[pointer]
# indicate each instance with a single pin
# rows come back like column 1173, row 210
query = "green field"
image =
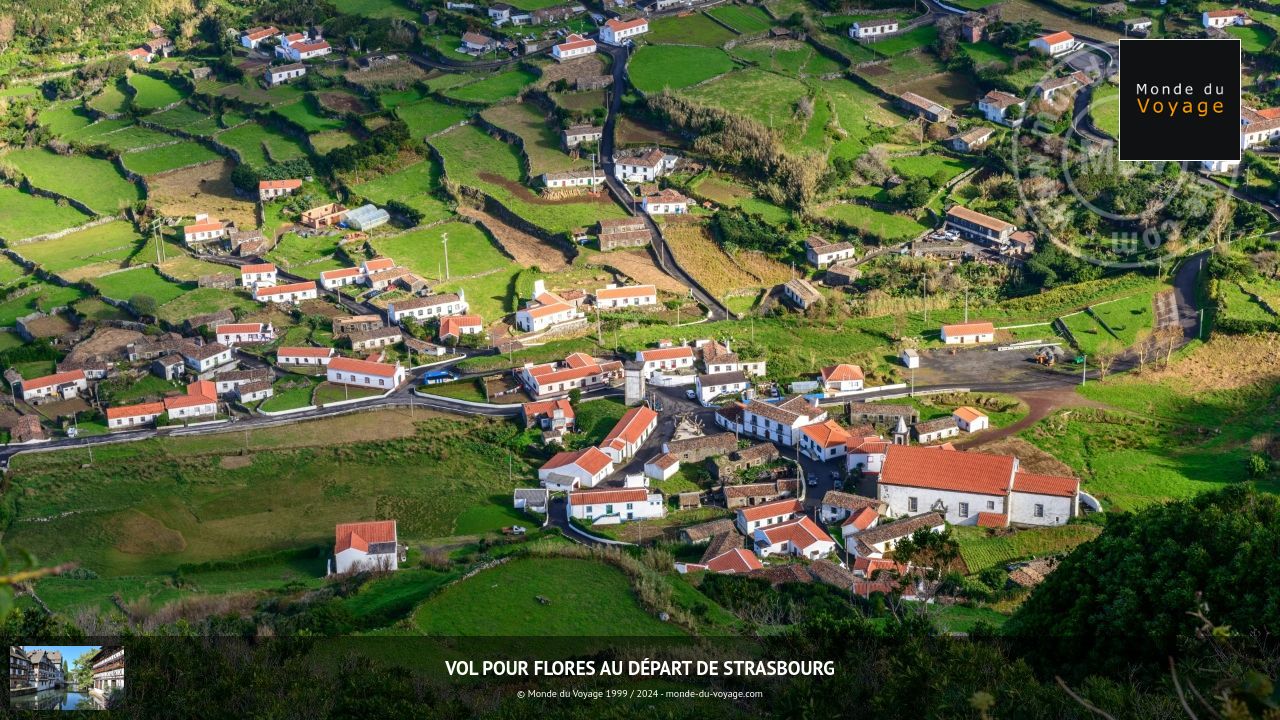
column 878, row 224
column 392, row 99
column 789, row 57
column 131, row 137
column 110, row 245
column 45, row 299
column 773, row 103
column 470, row 250
column 152, row 93
column 168, row 157
column 377, row 9
column 745, row 19
column 430, row 116
column 260, row 145
column 186, row 118
column 1127, row 318
column 65, row 118
column 111, row 100
column 724, row 191
column 312, row 253
column 541, row 140
column 655, row 67
column 324, row 142
column 910, row 40
column 143, row 280
column 928, row 165
column 24, row 216
column 504, row 601
column 689, row 30
column 493, row 88
column 200, row 301
column 1253, row 38
column 859, row 113
column 306, row 115
column 981, row 549
column 1104, row 108
column 96, row 183
column 415, row 185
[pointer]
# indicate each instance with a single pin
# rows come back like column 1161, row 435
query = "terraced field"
column 672, row 67
column 96, row 183
column 84, row 253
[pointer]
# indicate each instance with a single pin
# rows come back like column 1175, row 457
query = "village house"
column 749, row 519
column 924, row 107
column 225, row 383
column 968, row 333
column 973, row 27
column 1138, row 26
column 140, row 55
column 754, row 494
column 664, row 359
column 614, row 297
column 573, row 178
column 610, row 506
column 576, row 135
column 298, row 47
column 375, row 338
column 801, row 293
column 205, row 230
column 1055, row 44
column 455, row 327
column 304, row 356
column 58, row 386
column 334, row 279
column 969, row 488
column 734, row 465
column 574, row 46
column 662, row 466
column 841, row 276
column 732, row 561
column 718, row 357
column 910, row 358
column 354, row 323
column 821, row 253
column 629, row 434
column 549, row 415
column 322, row 216
column 169, row 367
column 579, row 371
column 247, row 243
column 864, row 451
column 971, row 419
column 971, row 139
column 254, row 391
column 665, row 202
column 572, row 470
column 108, row 669
column 1224, row 18
column 252, row 37
column 780, row 422
column 824, row 441
column 619, row 32
column 366, row 547
column 623, row 232
column 995, row 107
column 126, row 416
column 201, row 359
column 980, row 227
column 873, row 29
column 291, row 293
column 875, row 541
column 534, row 500
column 280, row 74
column 200, row 401
column 842, row 378
column 1257, row 127
column 499, row 13
column 545, row 310
column 272, row 189
column 935, row 430
column 645, row 167
column 474, row 43
column 800, row 537
column 839, row 506
column 421, row 308
column 242, row 333
column 364, row 373
column 383, row 279
column 258, row 275
column 710, row 386
column 1047, row 90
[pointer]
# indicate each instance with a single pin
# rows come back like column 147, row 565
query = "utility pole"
column 1200, row 326
column 1084, row 369
column 444, row 240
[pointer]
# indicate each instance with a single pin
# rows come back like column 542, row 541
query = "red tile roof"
column 124, row 411
column 973, row 328
column 841, row 373
column 992, row 520
column 672, row 353
column 545, row 407
column 734, row 561
column 937, row 469
column 1060, row 37
column 379, row 263
column 861, row 519
column 773, row 509
column 453, row 324
column 341, row 273
column 968, row 414
column 800, row 532
column 304, row 352
column 360, row 535
column 593, row 460
column 284, row 289
column 279, row 184
column 978, row 218
column 617, row 25
column 1026, row 482
column 258, row 268
column 575, row 42
column 632, row 425
column 601, row 497
column 54, row 379
column 239, row 328
column 626, row 291
column 203, row 227
column 364, row 367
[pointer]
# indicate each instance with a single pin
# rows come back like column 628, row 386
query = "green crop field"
column 392, row 99
column 106, row 245
column 324, row 142
column 504, row 601
column 143, row 280
column 493, row 88
column 24, row 216
column 415, row 185
column 470, row 250
column 1242, row 306
column 391, row 9
column 430, row 116
column 152, row 93
column 186, row 118
column 655, row 67
column 882, row 225
column 260, row 145
column 111, row 100
column 96, row 183
column 45, row 299
column 745, row 19
column 130, row 137
column 773, row 103
column 789, row 57
column 65, row 119
column 167, row 157
column 981, row 549
column 206, row 300
column 10, row 271
column 541, row 139
column 725, row 191
column 928, row 165
column 857, row 112
column 296, row 252
column 306, row 115
column 910, row 40
column 695, row 29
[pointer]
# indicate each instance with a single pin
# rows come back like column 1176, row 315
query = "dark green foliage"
column 738, row 230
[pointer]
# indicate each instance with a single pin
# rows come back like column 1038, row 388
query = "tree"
column 143, row 304
column 82, row 674
column 929, row 556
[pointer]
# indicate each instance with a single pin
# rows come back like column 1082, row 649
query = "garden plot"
column 989, row 56
column 45, row 298
column 430, row 116
column 722, row 274
column 84, row 253
column 187, row 119
column 130, row 137
column 65, row 119
column 307, row 256
column 259, row 145
column 202, row 189
column 151, row 93
column 24, row 216
column 886, row 227
column 111, row 100
column 672, row 67
column 471, row 252
column 94, row 182
column 726, row 192
column 746, row 19
column 306, row 115
column 697, row 29
column 416, row 185
column 580, row 102
column 326, row 142
column 541, row 141
column 167, row 157
column 772, row 100
column 789, row 57
column 142, row 280
column 493, row 88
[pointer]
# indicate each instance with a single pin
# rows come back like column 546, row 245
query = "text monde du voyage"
column 1181, row 99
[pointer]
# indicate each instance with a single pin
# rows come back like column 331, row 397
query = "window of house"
column 964, row 509
column 1039, row 512
column 911, row 504
column 991, row 504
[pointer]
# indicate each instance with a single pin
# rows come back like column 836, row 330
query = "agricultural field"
column 307, row 116
column 726, row 192
column 390, row 9
column 111, row 100
column 1027, row 10
column 1253, row 38
column 129, row 137
column 200, row 301
column 260, row 145
column 658, row 67
column 188, row 119
column 202, row 189
column 901, row 70
column 789, row 57
column 540, row 137
column 125, row 284
column 168, row 157
column 746, row 19
column 493, row 88
column 307, row 256
column 24, row 216
column 981, row 548
column 585, row 101
column 949, row 88
column 324, row 142
column 415, row 185
column 722, row 274
column 392, row 99
column 774, row 103
column 859, row 115
column 988, row 56
column 887, row 227
column 84, row 253
column 96, row 183
column 1104, row 108
column 430, row 116
column 151, row 93
column 44, row 299
column 65, row 119
column 928, row 165
column 695, row 29
column 471, row 252
column 920, row 37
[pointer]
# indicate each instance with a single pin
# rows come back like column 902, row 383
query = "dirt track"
column 527, row 250
column 1041, row 404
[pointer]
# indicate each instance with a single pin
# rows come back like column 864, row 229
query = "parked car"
column 813, row 481
column 691, row 394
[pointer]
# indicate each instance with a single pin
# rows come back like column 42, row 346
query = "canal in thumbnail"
column 60, row 699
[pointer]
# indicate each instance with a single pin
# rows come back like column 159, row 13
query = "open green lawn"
column 201, row 301
column 143, row 280
column 415, row 185
column 961, row 618
column 24, row 216
column 96, row 183
column 65, row 118
column 1253, row 38
column 774, row 103
column 110, row 244
column 306, row 114
column 470, row 250
column 790, row 57
column 1105, row 109
column 260, row 145
column 19, row 91
column 724, row 191
column 928, row 165
column 111, row 100
column 377, row 9
column 45, row 299
column 746, row 19
column 167, row 157
column 504, row 601
column 541, row 139
column 1129, row 317
column 878, row 224
column 1240, row 305
column 859, row 113
column 153, row 93
column 328, row 393
column 325, row 142
column 392, row 99
column 697, row 29
column 291, row 392
column 294, row 251
column 10, row 271
column 655, row 67
column 131, row 137
column 430, row 116
column 493, row 88
column 920, row 37
column 490, row 296
column 981, row 548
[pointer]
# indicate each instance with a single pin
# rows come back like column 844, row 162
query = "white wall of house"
column 356, row 560
column 961, row 508
column 1033, row 509
column 131, row 421
column 653, row 507
column 381, row 382
column 869, row 462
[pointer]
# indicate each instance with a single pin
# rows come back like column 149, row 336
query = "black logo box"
column 1191, row 64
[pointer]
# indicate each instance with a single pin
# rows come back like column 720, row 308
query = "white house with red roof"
column 619, row 32
column 142, row 54
column 291, row 293
column 60, row 386
column 571, row 470
column 636, row 425
column 969, row 488
column 243, row 333
column 838, row 506
column 574, row 46
column 127, row 416
column 253, row 36
column 841, row 378
column 864, row 452
column 645, row 167
column 971, row 419
column 654, row 360
column 555, row 414
column 301, row 46
column 206, row 230
column 256, row 275
column 800, row 537
column 201, row 400
column 736, row 560
column 881, row 538
column 1055, row 43
column 366, row 546
column 334, row 279
column 364, row 373
column 1224, row 18
column 272, row 189
column 457, row 326
column 749, row 519
column 969, row 333
column 303, row 356
column 609, row 506
column 545, row 310
column 578, row 371
column 614, row 297
column 665, row 202
column 824, row 441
